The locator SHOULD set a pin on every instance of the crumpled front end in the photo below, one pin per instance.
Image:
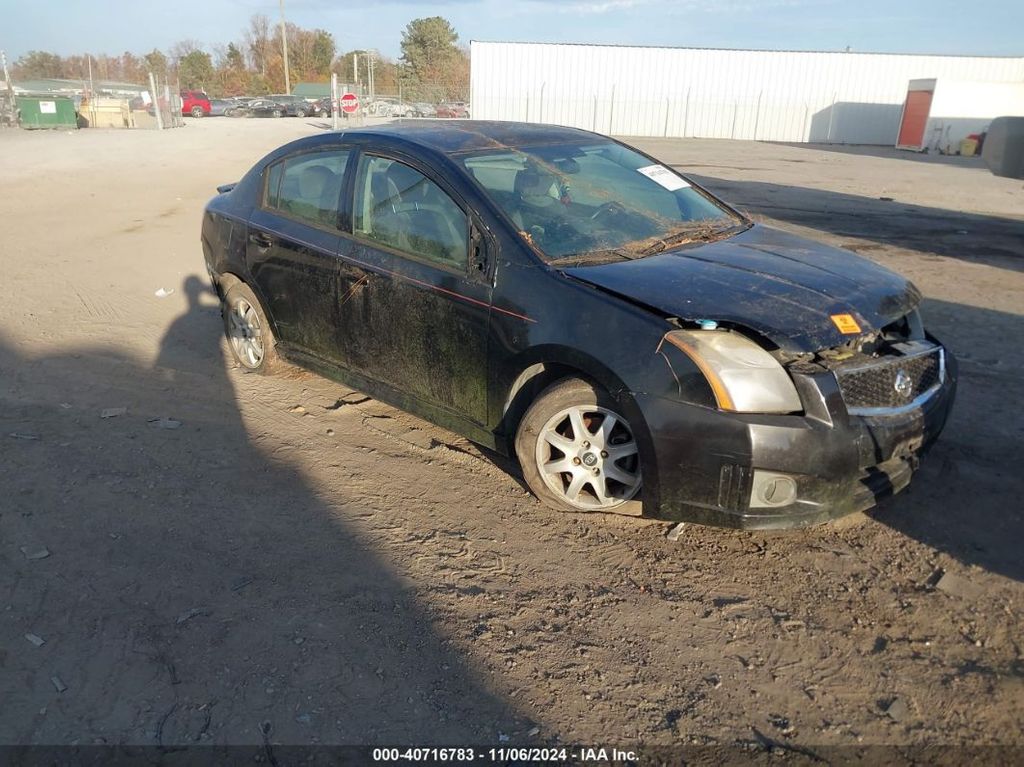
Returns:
(871, 410)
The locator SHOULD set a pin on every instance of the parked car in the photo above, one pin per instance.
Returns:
(238, 105)
(380, 107)
(401, 109)
(263, 108)
(294, 106)
(423, 109)
(195, 103)
(320, 107)
(458, 109)
(219, 107)
(556, 295)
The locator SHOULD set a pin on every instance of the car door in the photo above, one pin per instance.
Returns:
(293, 244)
(414, 309)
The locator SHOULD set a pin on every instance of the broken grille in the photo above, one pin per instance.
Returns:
(892, 384)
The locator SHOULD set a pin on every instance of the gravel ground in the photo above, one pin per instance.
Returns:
(286, 561)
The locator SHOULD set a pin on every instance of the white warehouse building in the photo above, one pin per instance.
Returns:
(847, 98)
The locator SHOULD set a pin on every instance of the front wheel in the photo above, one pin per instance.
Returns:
(577, 452)
(197, 111)
(249, 335)
(276, 113)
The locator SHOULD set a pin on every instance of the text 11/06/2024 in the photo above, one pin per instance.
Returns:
(502, 755)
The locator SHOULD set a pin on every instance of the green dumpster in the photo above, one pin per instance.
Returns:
(47, 112)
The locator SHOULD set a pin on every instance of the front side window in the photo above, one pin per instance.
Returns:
(575, 199)
(308, 186)
(399, 207)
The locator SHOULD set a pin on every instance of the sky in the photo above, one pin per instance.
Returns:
(982, 27)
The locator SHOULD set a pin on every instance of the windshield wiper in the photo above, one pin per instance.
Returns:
(691, 234)
(589, 256)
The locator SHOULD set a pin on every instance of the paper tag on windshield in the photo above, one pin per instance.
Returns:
(663, 176)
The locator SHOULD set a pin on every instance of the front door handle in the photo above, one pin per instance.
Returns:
(261, 239)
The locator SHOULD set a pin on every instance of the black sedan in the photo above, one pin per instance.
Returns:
(261, 108)
(293, 106)
(557, 295)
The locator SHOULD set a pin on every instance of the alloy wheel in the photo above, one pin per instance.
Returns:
(246, 334)
(587, 455)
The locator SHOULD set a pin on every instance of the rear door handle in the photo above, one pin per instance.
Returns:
(262, 239)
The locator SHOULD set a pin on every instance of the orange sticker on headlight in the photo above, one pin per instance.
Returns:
(846, 323)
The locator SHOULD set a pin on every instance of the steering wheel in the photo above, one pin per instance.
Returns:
(608, 209)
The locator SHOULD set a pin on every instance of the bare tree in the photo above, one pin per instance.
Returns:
(259, 40)
(183, 48)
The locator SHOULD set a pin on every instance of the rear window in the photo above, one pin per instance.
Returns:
(308, 186)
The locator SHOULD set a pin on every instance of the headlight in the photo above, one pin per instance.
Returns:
(743, 376)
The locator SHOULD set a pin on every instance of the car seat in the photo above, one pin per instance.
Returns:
(409, 213)
(535, 189)
(312, 194)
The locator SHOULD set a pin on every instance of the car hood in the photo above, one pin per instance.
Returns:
(781, 286)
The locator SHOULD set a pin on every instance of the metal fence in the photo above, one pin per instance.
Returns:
(691, 114)
(829, 97)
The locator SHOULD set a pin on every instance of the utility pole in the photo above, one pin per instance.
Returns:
(11, 113)
(373, 84)
(284, 42)
(3, 63)
(334, 100)
(92, 93)
(156, 103)
(7, 77)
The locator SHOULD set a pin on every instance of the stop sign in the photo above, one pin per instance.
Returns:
(349, 103)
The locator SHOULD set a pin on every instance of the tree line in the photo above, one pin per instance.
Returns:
(432, 67)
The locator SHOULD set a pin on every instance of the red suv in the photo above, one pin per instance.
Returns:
(195, 103)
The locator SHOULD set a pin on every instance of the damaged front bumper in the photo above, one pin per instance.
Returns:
(786, 471)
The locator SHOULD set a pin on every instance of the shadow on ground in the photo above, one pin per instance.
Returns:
(965, 500)
(891, 153)
(993, 240)
(190, 587)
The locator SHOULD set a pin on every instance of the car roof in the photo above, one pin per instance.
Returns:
(473, 135)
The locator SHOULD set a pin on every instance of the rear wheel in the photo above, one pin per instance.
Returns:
(276, 113)
(249, 335)
(577, 451)
(197, 111)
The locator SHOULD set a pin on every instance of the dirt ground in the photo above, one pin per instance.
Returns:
(298, 564)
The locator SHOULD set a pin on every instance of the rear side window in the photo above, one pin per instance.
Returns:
(403, 209)
(308, 186)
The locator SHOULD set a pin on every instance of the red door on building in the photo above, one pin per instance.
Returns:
(915, 119)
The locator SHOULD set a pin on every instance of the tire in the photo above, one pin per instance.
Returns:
(197, 112)
(249, 335)
(592, 471)
(276, 113)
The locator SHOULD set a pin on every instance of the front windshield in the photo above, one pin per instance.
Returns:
(591, 198)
